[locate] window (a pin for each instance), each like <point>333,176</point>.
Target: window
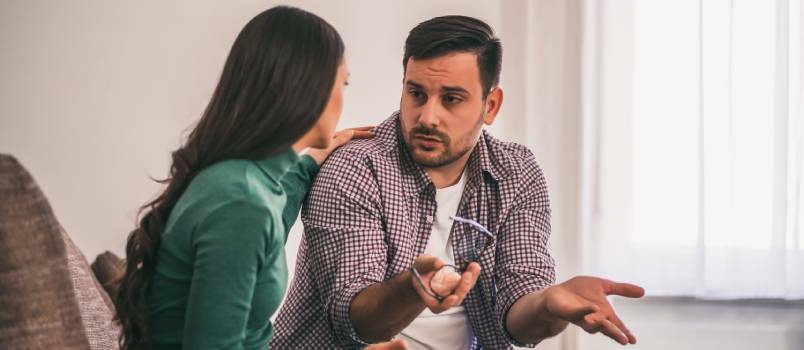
<point>694,140</point>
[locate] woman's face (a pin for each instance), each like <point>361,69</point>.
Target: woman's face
<point>322,132</point>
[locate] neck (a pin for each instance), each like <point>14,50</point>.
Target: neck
<point>300,145</point>
<point>450,174</point>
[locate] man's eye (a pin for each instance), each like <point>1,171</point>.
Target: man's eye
<point>452,99</point>
<point>415,94</point>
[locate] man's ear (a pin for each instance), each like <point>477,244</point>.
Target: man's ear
<point>493,103</point>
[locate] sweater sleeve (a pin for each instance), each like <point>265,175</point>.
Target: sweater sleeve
<point>229,247</point>
<point>296,183</point>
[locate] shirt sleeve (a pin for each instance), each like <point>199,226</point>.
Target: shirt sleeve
<point>523,261</point>
<point>345,239</point>
<point>230,246</point>
<point>296,183</point>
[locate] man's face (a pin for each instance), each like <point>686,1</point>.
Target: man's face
<point>442,108</point>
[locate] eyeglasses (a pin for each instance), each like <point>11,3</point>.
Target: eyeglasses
<point>467,251</point>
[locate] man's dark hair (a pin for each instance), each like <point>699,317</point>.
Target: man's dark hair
<point>448,34</point>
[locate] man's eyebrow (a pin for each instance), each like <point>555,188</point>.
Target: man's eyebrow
<point>457,89</point>
<point>444,89</point>
<point>414,84</point>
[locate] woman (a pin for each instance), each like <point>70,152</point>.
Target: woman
<point>206,265</point>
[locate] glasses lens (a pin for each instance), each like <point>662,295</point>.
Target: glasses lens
<point>476,238</point>
<point>445,281</point>
<point>479,241</point>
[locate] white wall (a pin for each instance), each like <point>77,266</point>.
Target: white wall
<point>95,94</point>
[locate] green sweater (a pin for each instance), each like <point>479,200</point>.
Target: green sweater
<point>220,269</point>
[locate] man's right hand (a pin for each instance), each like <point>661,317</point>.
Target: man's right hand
<point>427,266</point>
<point>382,310</point>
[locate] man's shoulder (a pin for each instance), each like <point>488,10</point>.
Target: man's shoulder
<point>510,156</point>
<point>364,151</point>
<point>359,150</point>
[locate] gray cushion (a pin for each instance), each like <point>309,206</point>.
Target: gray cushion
<point>49,298</point>
<point>37,308</point>
<point>93,302</point>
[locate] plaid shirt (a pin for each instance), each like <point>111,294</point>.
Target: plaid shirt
<point>370,213</point>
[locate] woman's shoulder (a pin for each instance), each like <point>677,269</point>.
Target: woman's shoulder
<point>233,180</point>
<point>223,196</point>
<point>223,186</point>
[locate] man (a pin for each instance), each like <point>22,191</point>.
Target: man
<point>386,214</point>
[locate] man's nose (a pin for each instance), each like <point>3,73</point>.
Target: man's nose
<point>430,112</point>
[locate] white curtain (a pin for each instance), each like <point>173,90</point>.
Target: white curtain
<point>693,146</point>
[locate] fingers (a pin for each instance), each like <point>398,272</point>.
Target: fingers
<point>610,330</point>
<point>363,132</point>
<point>619,323</point>
<point>600,315</point>
<point>468,280</point>
<point>363,128</point>
<point>426,298</point>
<point>581,312</point>
<point>448,302</point>
<point>426,266</point>
<point>432,303</point>
<point>358,135</point>
<point>427,263</point>
<point>625,289</point>
<point>609,324</point>
<point>589,323</point>
<point>594,323</point>
<point>341,137</point>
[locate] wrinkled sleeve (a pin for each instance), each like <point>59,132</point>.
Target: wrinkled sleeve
<point>344,232</point>
<point>523,261</point>
<point>296,183</point>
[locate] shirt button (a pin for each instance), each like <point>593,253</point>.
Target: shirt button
<point>429,219</point>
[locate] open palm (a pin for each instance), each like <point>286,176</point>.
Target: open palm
<point>583,301</point>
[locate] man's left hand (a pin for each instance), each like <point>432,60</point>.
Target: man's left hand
<point>583,301</point>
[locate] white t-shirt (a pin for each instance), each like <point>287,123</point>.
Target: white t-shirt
<point>449,329</point>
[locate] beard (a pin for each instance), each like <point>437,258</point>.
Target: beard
<point>442,153</point>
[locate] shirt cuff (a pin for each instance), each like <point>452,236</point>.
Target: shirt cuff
<point>507,299</point>
<point>342,326</point>
<point>309,166</point>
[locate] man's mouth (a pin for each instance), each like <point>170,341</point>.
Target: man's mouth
<point>427,141</point>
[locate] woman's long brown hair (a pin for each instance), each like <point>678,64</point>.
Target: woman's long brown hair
<point>274,86</point>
